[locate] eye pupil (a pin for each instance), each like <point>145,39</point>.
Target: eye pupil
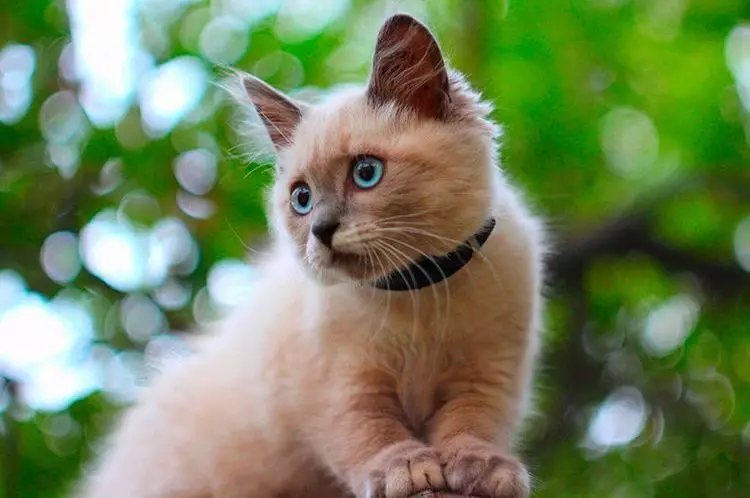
<point>301,199</point>
<point>367,172</point>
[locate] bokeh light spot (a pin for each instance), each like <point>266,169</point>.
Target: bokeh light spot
<point>141,318</point>
<point>39,340</point>
<point>630,142</point>
<point>108,58</point>
<point>25,326</point>
<point>17,64</point>
<point>737,53</point>
<point>12,289</point>
<point>668,325</point>
<point>194,206</point>
<point>195,171</point>
<point>742,244</point>
<point>223,39</point>
<point>299,20</point>
<point>171,92</point>
<point>130,257</point>
<point>113,250</point>
<point>61,119</point>
<point>618,420</point>
<point>110,177</point>
<point>281,67</point>
<point>713,395</point>
<point>251,12</point>
<point>230,282</point>
<point>140,207</point>
<point>60,258</point>
<point>173,246</point>
<point>172,294</point>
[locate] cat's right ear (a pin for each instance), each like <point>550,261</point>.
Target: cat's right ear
<point>280,114</point>
<point>408,68</point>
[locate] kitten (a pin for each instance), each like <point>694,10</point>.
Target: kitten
<point>389,346</point>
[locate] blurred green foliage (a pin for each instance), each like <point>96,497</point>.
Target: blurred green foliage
<point>627,123</point>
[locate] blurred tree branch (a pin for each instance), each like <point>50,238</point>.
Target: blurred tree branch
<point>627,232</point>
<point>632,232</point>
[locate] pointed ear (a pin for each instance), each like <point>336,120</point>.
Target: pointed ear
<point>279,113</point>
<point>408,68</point>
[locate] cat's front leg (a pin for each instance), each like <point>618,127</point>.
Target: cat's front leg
<point>471,430</point>
<point>362,436</point>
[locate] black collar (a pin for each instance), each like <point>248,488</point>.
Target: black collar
<point>431,270</point>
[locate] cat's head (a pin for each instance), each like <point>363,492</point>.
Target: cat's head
<point>375,178</point>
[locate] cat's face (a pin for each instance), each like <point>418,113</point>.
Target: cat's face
<point>374,179</point>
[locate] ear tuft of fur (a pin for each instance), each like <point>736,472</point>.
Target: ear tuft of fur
<point>466,106</point>
<point>279,113</point>
<point>264,119</point>
<point>254,143</point>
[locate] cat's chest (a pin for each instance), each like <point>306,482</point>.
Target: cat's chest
<point>416,387</point>
<point>419,352</point>
<point>423,359</point>
<point>418,380</point>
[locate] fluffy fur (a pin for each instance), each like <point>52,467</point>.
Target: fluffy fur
<point>322,385</point>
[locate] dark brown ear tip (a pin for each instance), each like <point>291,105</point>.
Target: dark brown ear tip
<point>402,19</point>
<point>397,21</point>
<point>247,83</point>
<point>253,84</point>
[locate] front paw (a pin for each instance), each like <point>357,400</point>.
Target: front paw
<point>474,468</point>
<point>402,470</point>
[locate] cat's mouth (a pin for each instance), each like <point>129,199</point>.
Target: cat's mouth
<point>339,258</point>
<point>358,264</point>
<point>353,265</point>
<point>421,272</point>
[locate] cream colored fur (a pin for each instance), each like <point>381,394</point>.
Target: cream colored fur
<point>322,385</point>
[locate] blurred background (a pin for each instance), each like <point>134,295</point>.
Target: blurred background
<point>127,206</point>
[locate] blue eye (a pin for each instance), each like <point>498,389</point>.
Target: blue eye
<point>301,199</point>
<point>367,172</point>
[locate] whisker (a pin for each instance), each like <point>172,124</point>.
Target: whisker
<point>244,244</point>
<point>442,328</point>
<point>403,216</point>
<point>388,297</point>
<point>370,258</point>
<point>394,260</point>
<point>426,233</point>
<point>256,168</point>
<point>408,261</point>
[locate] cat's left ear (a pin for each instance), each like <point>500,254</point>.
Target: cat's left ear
<point>279,113</point>
<point>408,69</point>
